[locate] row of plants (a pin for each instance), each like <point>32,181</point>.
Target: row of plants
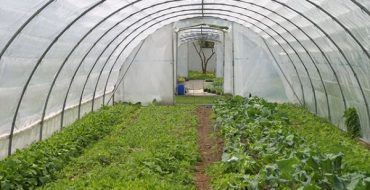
<point>216,87</point>
<point>198,75</point>
<point>328,137</point>
<point>157,150</point>
<point>39,164</point>
<point>262,150</point>
<point>195,100</point>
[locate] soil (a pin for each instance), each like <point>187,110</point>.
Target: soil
<point>210,145</point>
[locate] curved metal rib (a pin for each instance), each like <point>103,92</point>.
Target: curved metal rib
<point>36,66</point>
<point>95,43</point>
<point>358,43</point>
<point>321,51</point>
<point>56,76</point>
<point>113,66</point>
<point>207,13</point>
<point>298,41</point>
<point>23,26</point>
<point>337,47</point>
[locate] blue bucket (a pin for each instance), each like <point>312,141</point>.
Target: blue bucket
<point>180,89</point>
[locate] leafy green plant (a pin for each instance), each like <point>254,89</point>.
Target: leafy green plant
<point>328,137</point>
<point>216,86</point>
<point>197,75</point>
<point>155,149</point>
<point>352,121</point>
<point>195,100</point>
<point>262,151</point>
<point>39,164</point>
<point>180,80</point>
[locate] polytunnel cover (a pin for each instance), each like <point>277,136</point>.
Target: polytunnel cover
<point>61,59</point>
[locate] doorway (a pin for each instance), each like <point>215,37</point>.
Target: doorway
<point>200,61</point>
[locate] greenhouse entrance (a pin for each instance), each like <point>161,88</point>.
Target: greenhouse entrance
<point>201,56</point>
<point>200,60</point>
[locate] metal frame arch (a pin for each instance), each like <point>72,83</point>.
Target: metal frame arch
<point>331,67</point>
<point>118,58</point>
<point>115,89</point>
<point>38,63</point>
<point>113,66</point>
<point>117,46</point>
<point>70,54</point>
<point>343,26</point>
<point>339,49</point>
<point>15,35</point>
<point>321,51</point>
<point>109,74</point>
<point>285,51</point>
<point>281,70</point>
<point>299,57</point>
<point>326,58</point>
<point>307,52</point>
<point>97,59</point>
<point>323,54</point>
<point>93,100</point>
<point>207,13</point>
<point>362,7</point>
<point>75,47</point>
<point>358,43</point>
<point>338,82</point>
<point>290,85</point>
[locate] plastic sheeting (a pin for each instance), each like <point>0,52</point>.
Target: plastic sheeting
<point>147,73</point>
<point>56,55</point>
<point>254,68</point>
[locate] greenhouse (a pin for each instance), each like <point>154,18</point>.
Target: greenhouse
<point>185,94</point>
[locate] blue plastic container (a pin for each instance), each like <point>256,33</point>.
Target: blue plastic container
<point>180,89</point>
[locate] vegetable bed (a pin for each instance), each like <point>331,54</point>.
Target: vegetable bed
<point>124,147</point>
<point>198,75</point>
<point>156,149</point>
<point>40,163</point>
<point>270,146</point>
<point>195,100</point>
<point>327,137</point>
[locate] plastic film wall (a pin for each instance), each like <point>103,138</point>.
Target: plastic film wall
<point>59,55</point>
<point>254,69</point>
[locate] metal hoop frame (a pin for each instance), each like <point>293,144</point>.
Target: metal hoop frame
<point>38,63</point>
<point>41,9</point>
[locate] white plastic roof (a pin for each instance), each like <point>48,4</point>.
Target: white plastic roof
<point>58,54</point>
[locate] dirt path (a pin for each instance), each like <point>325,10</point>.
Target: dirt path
<point>210,147</point>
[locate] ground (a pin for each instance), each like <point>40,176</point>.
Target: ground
<point>210,147</point>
